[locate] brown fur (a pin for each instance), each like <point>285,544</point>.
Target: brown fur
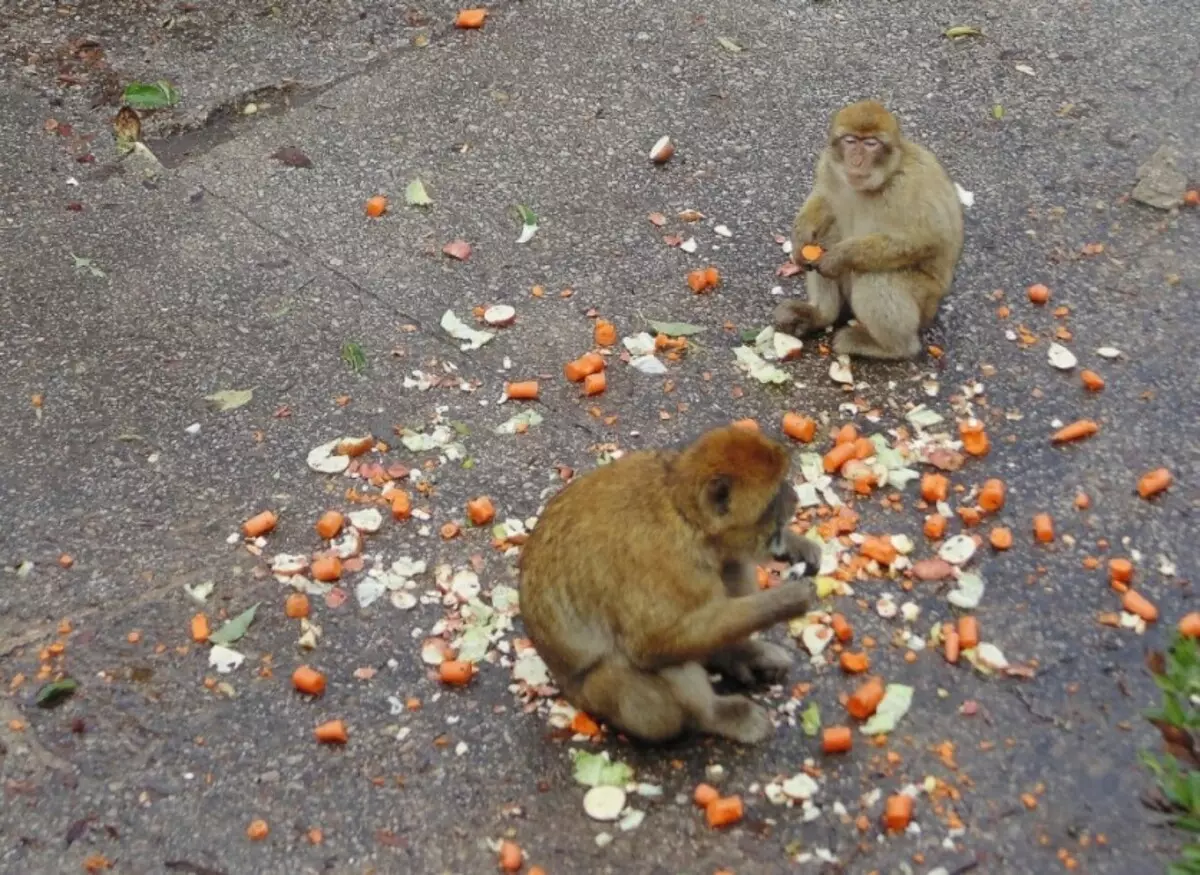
<point>890,222</point>
<point>639,575</point>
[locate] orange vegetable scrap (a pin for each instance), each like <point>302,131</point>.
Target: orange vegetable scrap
<point>449,531</point>
<point>991,496</point>
<point>863,701</point>
<point>510,856</point>
<point>308,680</point>
<point>897,812</point>
<point>332,732</point>
<point>1136,603</point>
<point>725,811</point>
<point>595,384</point>
<point>1082,502</point>
<point>705,794</point>
<point>376,206</point>
<point>583,367</point>
<point>974,438</point>
<point>330,524</point>
<point>326,569</point>
<point>1120,570</point>
<point>879,549</point>
<point>836,739</point>
<point>712,277</point>
<point>257,830</point>
<point>811,252</point>
<point>470,19</point>
<point>799,428</point>
<point>1154,482</point>
<point>837,457</point>
<point>847,434</point>
<point>841,628</point>
<point>200,630</point>
<point>951,642</point>
<point>1001,538</point>
<point>525,391</point>
<point>480,511</point>
<point>1077,430</point>
<point>583,724</point>
<point>1038,293</point>
<point>1191,197</point>
<point>1092,381</point>
<point>1043,528</point>
<point>934,487</point>
<point>1189,626</point>
<point>747,424</point>
<point>863,448</point>
<point>935,527</point>
<point>968,632</point>
<point>854,663</point>
<point>455,672</point>
<point>604,334</point>
<point>296,606</point>
<point>259,524</point>
<point>697,281</point>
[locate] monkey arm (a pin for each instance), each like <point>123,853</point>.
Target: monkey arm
<point>876,252</point>
<point>813,222</point>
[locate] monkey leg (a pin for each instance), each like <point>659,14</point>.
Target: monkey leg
<point>822,308</point>
<point>733,717</point>
<point>889,316</point>
<point>752,660</point>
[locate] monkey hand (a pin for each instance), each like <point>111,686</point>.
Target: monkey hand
<point>833,262</point>
<point>797,548</point>
<point>795,597</point>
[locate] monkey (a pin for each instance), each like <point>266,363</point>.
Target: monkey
<point>639,577</point>
<point>890,223</point>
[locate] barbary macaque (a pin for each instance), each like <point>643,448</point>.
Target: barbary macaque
<point>889,225</point>
<point>639,577</point>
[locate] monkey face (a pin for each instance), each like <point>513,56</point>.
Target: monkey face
<point>760,534</point>
<point>864,163</point>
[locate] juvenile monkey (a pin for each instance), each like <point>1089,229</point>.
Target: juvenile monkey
<point>890,223</point>
<point>639,576</point>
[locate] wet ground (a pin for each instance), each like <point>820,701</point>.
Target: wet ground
<point>128,293</point>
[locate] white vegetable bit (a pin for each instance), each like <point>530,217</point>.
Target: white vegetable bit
<point>604,802</point>
<point>1062,358</point>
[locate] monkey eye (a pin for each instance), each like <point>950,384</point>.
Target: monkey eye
<point>871,143</point>
<point>849,139</point>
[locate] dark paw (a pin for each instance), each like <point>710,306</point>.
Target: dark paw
<point>794,317</point>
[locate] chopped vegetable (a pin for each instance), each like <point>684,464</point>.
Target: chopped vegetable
<point>968,632</point>
<point>952,646</point>
<point>376,206</point>
<point>308,680</point>
<point>712,276</point>
<point>992,495</point>
<point>811,252</point>
<point>200,630</point>
<point>1092,381</point>
<point>847,434</point>
<point>1075,431</point>
<point>747,424</point>
<point>1043,528</point>
<point>1038,293</point>
<point>1189,626</point>
<point>841,628</point>
<point>470,19</point>
<point>510,856</point>
<point>863,702</point>
<point>1001,538</point>
<point>604,334</point>
<point>974,438</point>
<point>725,811</point>
<point>897,812</point>
<point>1120,570</point>
<point>836,739</point>
<point>837,457</point>
<point>481,511</point>
<point>326,569</point>
<point>259,524</point>
<point>257,830</point>
<point>401,506</point>
<point>331,732</point>
<point>854,663</point>
<point>330,524</point>
<point>934,487</point>
<point>799,428</point>
<point>697,281</point>
<point>296,606</point>
<point>935,527</point>
<point>1154,482</point>
<point>705,794</point>
<point>1136,603</point>
<point>525,391</point>
<point>879,549</point>
<point>455,673</point>
<point>583,367</point>
<point>595,384</point>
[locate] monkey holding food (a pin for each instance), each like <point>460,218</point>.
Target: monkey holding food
<point>882,232</point>
<point>639,577</point>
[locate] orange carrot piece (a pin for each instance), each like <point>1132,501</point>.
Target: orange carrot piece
<point>1077,430</point>
<point>259,524</point>
<point>1136,603</point>
<point>1082,502</point>
<point>863,701</point>
<point>510,857</point>
<point>863,448</point>
<point>524,391</point>
<point>934,487</point>
<point>604,333</point>
<point>841,628</point>
<point>1092,381</point>
<point>811,252</point>
<point>970,516</point>
<point>332,732</point>
<point>854,663</point>
<point>992,495</point>
<point>1120,570</point>
<point>799,428</point>
<point>1001,538</point>
<point>705,794</point>
<point>697,281</point>
<point>308,680</point>
<point>836,739</point>
<point>847,434</point>
<point>583,366</point>
<point>257,830</point>
<point>326,569</point>
<point>1038,293</point>
<point>1043,528</point>
<point>595,384</point>
<point>455,672</point>
<point>1189,625</point>
<point>951,643</point>
<point>470,19</point>
<point>968,632</point>
<point>1154,482</point>
<point>401,505</point>
<point>583,724</point>
<point>747,424</point>
<point>897,812</point>
<point>200,630</point>
<point>879,549</point>
<point>725,811</point>
<point>481,511</point>
<point>295,606</point>
<point>935,527</point>
<point>838,456</point>
<point>330,524</point>
<point>974,438</point>
<point>712,277</point>
<point>449,531</point>
<point>376,206</point>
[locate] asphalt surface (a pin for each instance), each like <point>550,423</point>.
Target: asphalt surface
<point>227,270</point>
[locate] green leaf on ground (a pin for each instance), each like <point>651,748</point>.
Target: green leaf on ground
<point>56,691</point>
<point>229,399</point>
<point>810,719</point>
<point>353,355</point>
<point>729,45</point>
<point>675,329</point>
<point>235,628</point>
<point>150,95</point>
<point>415,194</point>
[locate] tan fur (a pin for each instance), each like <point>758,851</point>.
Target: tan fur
<point>892,229</point>
<point>639,575</point>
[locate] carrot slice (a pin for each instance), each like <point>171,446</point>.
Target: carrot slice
<point>970,516</point>
<point>1043,528</point>
<point>1077,430</point>
<point>705,794</point>
<point>1120,570</point>
<point>1001,538</point>
<point>863,702</point>
<point>992,495</point>
<point>934,487</point>
<point>747,424</point>
<point>480,511</point>
<point>897,812</point>
<point>697,281</point>
<point>401,505</point>
<point>449,530</point>
<point>510,856</point>
<point>326,569</point>
<point>595,384</point>
<point>811,252</point>
<point>836,739</point>
<point>455,672</point>
<point>584,366</point>
<point>330,524</point>
<point>968,632</point>
<point>863,448</point>
<point>332,732</point>
<point>879,549</point>
<point>951,643</point>
<point>712,277</point>
<point>259,524</point>
<point>583,724</point>
<point>799,428</point>
<point>308,680</point>
<point>725,811</point>
<point>838,456</point>
<point>847,434</point>
<point>935,527</point>
<point>470,19</point>
<point>841,628</point>
<point>605,333</point>
<point>257,830</point>
<point>1038,293</point>
<point>295,606</point>
<point>376,206</point>
<point>1189,626</point>
<point>200,630</point>
<point>524,391</point>
<point>1092,381</point>
<point>854,663</point>
<point>974,438</point>
<point>1136,603</point>
<point>1154,482</point>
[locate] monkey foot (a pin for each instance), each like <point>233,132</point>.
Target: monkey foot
<point>856,341</point>
<point>796,318</point>
<point>739,719</point>
<point>752,662</point>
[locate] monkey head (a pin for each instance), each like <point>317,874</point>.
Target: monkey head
<point>864,142</point>
<point>731,484</point>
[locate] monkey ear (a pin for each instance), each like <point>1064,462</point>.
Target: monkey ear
<point>719,491</point>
